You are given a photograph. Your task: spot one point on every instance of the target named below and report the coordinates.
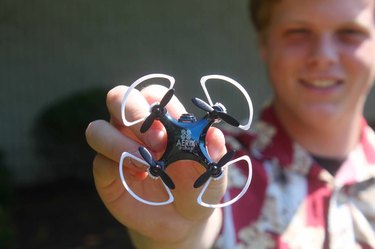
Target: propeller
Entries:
(156, 169)
(157, 111)
(216, 111)
(215, 169)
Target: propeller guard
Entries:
(204, 80)
(225, 204)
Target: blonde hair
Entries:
(260, 13)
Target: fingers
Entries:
(112, 139)
(137, 107)
(105, 171)
(108, 141)
(107, 180)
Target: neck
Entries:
(332, 137)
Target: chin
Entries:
(322, 109)
(323, 113)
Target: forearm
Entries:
(201, 235)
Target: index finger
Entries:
(138, 106)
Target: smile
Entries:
(321, 83)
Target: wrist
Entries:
(202, 234)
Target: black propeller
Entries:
(215, 170)
(157, 111)
(215, 111)
(156, 169)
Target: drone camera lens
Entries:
(187, 118)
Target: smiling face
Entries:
(320, 56)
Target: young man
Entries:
(313, 154)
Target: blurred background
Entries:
(57, 61)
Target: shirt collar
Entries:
(271, 141)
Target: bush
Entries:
(6, 231)
(59, 133)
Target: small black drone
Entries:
(186, 139)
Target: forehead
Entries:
(323, 11)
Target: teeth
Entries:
(322, 83)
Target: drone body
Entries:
(186, 139)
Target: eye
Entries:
(350, 32)
(297, 34)
(352, 35)
(296, 31)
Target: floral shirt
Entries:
(294, 203)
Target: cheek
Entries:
(360, 65)
(283, 53)
(284, 63)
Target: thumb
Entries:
(155, 139)
(215, 142)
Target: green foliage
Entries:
(60, 133)
(67, 119)
(6, 232)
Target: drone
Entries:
(186, 140)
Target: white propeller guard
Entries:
(236, 84)
(170, 196)
(247, 184)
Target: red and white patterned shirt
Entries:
(293, 202)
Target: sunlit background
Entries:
(57, 61)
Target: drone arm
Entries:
(132, 87)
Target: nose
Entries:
(323, 51)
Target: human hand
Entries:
(181, 223)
